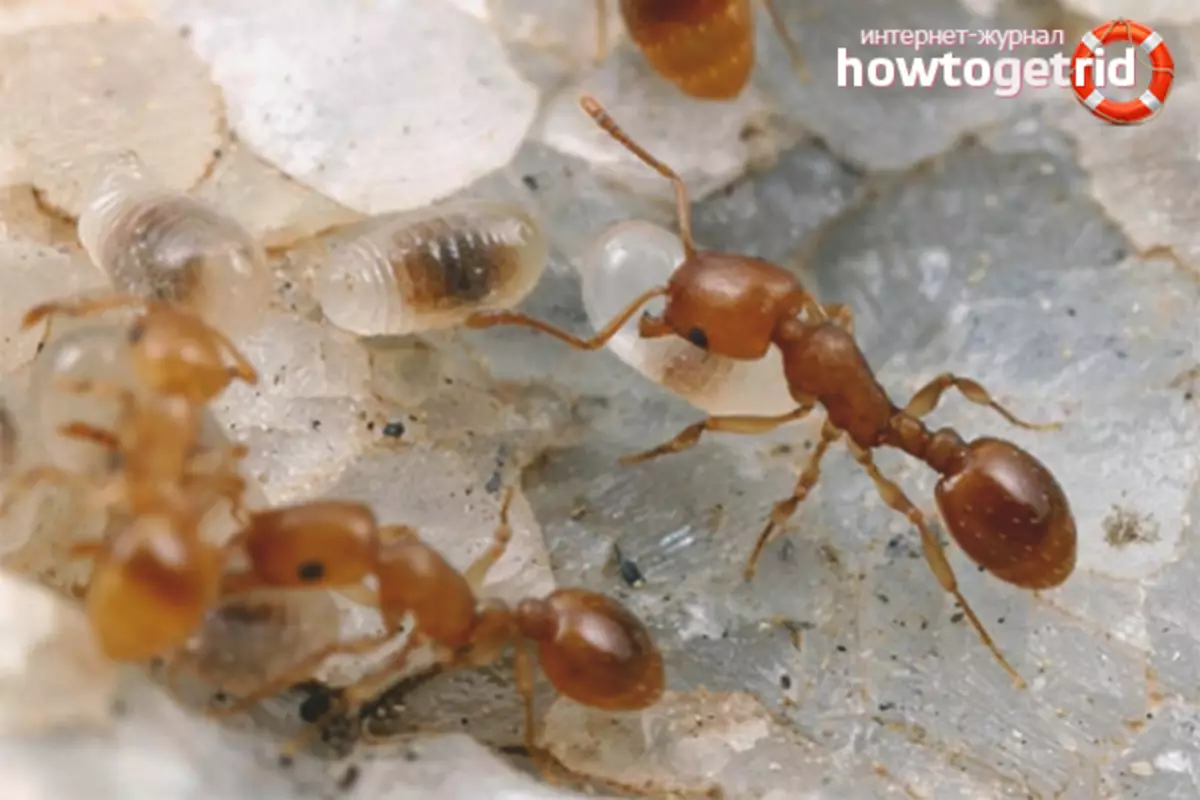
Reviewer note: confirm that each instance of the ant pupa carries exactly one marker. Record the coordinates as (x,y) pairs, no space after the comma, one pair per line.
(704,47)
(170,246)
(172,350)
(1000,504)
(591,648)
(428,269)
(632,257)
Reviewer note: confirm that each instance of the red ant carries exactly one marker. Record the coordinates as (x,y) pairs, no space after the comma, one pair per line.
(1002,506)
(704,47)
(591,648)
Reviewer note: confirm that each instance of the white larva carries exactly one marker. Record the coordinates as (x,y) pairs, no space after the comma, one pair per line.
(167,245)
(632,257)
(423,270)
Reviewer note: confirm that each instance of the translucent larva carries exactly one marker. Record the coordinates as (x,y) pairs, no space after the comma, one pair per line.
(167,245)
(632,257)
(422,270)
(253,639)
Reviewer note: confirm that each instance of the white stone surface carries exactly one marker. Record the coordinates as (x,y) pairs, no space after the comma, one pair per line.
(383,106)
(73,94)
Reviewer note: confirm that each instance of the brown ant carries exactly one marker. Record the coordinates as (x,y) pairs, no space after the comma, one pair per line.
(591,648)
(704,47)
(154,578)
(1002,506)
(173,351)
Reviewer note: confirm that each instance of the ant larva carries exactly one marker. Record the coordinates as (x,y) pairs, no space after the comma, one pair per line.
(1001,505)
(422,270)
(704,47)
(172,247)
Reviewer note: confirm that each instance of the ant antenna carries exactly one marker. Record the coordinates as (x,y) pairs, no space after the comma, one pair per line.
(682,202)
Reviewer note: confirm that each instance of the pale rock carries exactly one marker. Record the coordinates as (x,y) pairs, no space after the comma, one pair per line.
(360,102)
(52,673)
(20,15)
(276,209)
(76,94)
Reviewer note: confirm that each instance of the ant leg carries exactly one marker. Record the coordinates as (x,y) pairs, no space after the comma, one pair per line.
(842,316)
(690,435)
(601,30)
(523,677)
(242,368)
(92,434)
(789,44)
(477,572)
(593,109)
(488,319)
(784,509)
(299,673)
(934,554)
(927,398)
(83,308)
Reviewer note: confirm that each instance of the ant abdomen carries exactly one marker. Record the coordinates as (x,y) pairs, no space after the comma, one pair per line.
(167,245)
(152,588)
(1009,515)
(421,270)
(632,257)
(593,650)
(704,47)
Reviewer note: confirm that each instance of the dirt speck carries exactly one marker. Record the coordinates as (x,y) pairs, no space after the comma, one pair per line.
(1125,527)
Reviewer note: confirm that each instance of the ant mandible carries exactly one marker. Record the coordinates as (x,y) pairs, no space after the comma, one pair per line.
(704,47)
(1002,506)
(173,351)
(591,648)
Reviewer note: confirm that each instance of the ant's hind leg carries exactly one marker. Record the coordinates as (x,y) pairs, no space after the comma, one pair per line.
(927,398)
(935,556)
(784,509)
(690,435)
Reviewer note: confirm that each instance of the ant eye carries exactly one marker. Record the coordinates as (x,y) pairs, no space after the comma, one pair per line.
(136,333)
(310,571)
(698,338)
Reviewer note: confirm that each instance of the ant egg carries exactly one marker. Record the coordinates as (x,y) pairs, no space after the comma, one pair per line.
(166,245)
(421,270)
(632,257)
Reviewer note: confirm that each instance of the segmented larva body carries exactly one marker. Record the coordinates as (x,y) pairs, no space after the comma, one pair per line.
(423,270)
(632,257)
(167,245)
(704,47)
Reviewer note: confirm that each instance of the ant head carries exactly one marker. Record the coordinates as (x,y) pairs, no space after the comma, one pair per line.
(151,590)
(319,543)
(727,305)
(176,353)
(1008,513)
(593,650)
